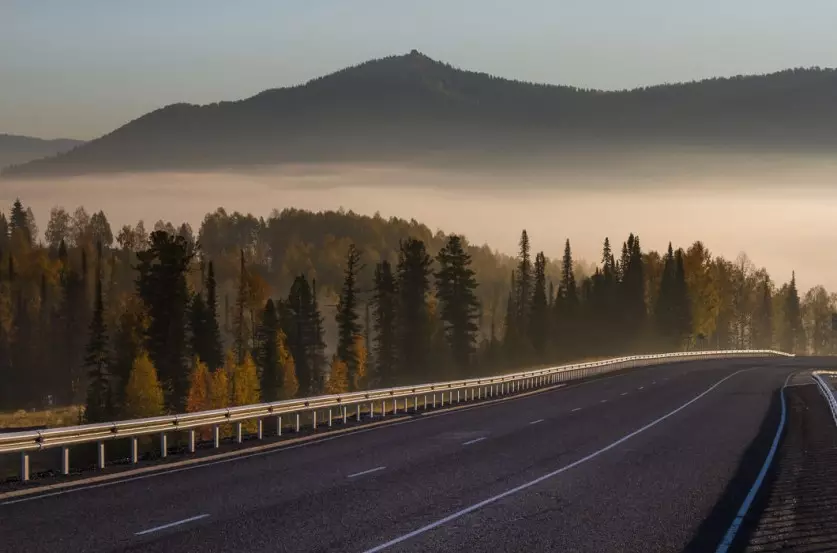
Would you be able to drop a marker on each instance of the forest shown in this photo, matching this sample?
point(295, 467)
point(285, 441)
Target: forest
point(133, 322)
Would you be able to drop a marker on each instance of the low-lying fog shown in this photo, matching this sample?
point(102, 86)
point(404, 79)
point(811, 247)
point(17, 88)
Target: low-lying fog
point(781, 214)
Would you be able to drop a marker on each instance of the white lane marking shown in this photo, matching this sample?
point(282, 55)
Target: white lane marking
point(536, 422)
point(726, 543)
point(642, 387)
point(474, 441)
point(624, 393)
point(547, 476)
point(279, 448)
point(171, 525)
point(376, 469)
point(603, 401)
point(654, 382)
point(576, 409)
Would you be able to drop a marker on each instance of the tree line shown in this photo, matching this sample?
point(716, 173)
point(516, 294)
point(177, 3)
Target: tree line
point(251, 310)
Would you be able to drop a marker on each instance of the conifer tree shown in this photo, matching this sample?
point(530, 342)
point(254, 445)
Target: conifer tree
point(214, 354)
point(99, 405)
point(362, 355)
point(539, 324)
point(763, 323)
point(290, 384)
point(456, 291)
point(268, 354)
point(338, 380)
point(792, 331)
point(524, 286)
point(240, 321)
point(385, 300)
point(413, 315)
point(348, 325)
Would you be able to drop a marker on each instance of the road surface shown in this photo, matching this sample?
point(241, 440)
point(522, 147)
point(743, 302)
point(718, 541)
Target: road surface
point(654, 459)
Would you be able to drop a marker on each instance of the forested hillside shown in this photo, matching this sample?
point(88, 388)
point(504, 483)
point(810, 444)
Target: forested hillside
point(137, 321)
point(413, 108)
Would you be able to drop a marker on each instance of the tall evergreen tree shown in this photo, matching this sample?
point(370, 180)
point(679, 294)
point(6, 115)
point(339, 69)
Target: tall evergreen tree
point(539, 324)
point(268, 358)
point(18, 223)
point(161, 283)
point(240, 321)
point(213, 357)
point(511, 330)
point(456, 288)
point(524, 286)
point(348, 325)
point(318, 345)
point(99, 406)
point(385, 347)
point(303, 327)
point(413, 315)
point(763, 323)
point(682, 302)
point(792, 331)
point(664, 310)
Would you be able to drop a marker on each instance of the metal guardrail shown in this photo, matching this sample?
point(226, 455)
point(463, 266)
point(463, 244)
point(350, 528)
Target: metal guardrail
point(827, 389)
point(23, 443)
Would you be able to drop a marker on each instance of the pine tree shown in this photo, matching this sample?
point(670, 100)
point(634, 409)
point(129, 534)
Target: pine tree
point(568, 285)
point(524, 287)
point(317, 352)
point(161, 283)
point(793, 337)
point(99, 405)
point(305, 334)
point(539, 323)
point(348, 325)
point(268, 355)
point(456, 288)
point(338, 380)
point(199, 327)
point(763, 323)
point(511, 340)
point(413, 315)
point(240, 322)
point(214, 354)
point(18, 223)
point(664, 311)
point(143, 394)
point(385, 299)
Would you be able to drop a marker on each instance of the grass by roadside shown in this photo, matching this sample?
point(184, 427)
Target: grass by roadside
point(56, 416)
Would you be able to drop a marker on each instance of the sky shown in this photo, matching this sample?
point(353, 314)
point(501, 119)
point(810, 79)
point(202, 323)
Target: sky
point(81, 68)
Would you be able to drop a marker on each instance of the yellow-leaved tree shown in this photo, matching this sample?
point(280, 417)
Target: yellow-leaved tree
point(361, 379)
point(338, 380)
point(219, 389)
point(245, 387)
point(143, 393)
point(198, 399)
point(287, 368)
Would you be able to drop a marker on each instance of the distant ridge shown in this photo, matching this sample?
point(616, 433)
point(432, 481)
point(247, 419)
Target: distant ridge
point(414, 108)
point(20, 149)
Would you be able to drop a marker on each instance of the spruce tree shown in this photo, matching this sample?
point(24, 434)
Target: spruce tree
point(413, 315)
point(539, 324)
point(161, 283)
point(385, 300)
point(268, 357)
point(240, 322)
point(664, 310)
point(348, 325)
point(213, 356)
point(99, 405)
point(511, 341)
point(682, 303)
point(763, 323)
point(318, 356)
point(792, 331)
point(524, 286)
point(456, 288)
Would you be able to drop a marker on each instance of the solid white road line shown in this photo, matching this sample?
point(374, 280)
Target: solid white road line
point(536, 422)
point(726, 543)
point(547, 476)
point(642, 387)
point(474, 441)
point(376, 469)
point(623, 394)
point(576, 409)
point(603, 401)
point(171, 525)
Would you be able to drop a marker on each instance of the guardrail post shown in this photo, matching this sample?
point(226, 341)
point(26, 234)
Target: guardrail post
point(329, 417)
point(260, 429)
point(164, 445)
point(415, 404)
point(216, 436)
point(457, 396)
point(65, 460)
point(279, 425)
point(371, 409)
point(24, 466)
point(315, 418)
point(192, 440)
point(345, 413)
point(358, 412)
point(238, 432)
point(134, 450)
point(394, 406)
point(425, 402)
point(297, 422)
point(100, 447)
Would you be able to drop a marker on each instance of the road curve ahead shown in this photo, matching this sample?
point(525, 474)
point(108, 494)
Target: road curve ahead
point(647, 460)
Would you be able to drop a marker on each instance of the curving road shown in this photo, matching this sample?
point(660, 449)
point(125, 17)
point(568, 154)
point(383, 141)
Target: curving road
point(654, 459)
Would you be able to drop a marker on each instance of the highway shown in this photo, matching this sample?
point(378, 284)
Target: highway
point(652, 459)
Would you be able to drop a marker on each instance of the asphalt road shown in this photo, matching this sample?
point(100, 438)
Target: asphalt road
point(655, 459)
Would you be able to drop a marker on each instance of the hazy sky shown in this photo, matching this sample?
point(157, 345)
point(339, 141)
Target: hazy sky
point(83, 67)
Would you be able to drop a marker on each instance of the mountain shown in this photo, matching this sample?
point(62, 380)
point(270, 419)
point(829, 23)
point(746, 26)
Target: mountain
point(21, 149)
point(413, 108)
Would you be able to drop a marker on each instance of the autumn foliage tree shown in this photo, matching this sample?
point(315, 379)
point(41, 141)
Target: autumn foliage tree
point(143, 394)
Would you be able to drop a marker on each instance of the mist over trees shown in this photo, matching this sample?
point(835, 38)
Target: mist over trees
point(246, 309)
